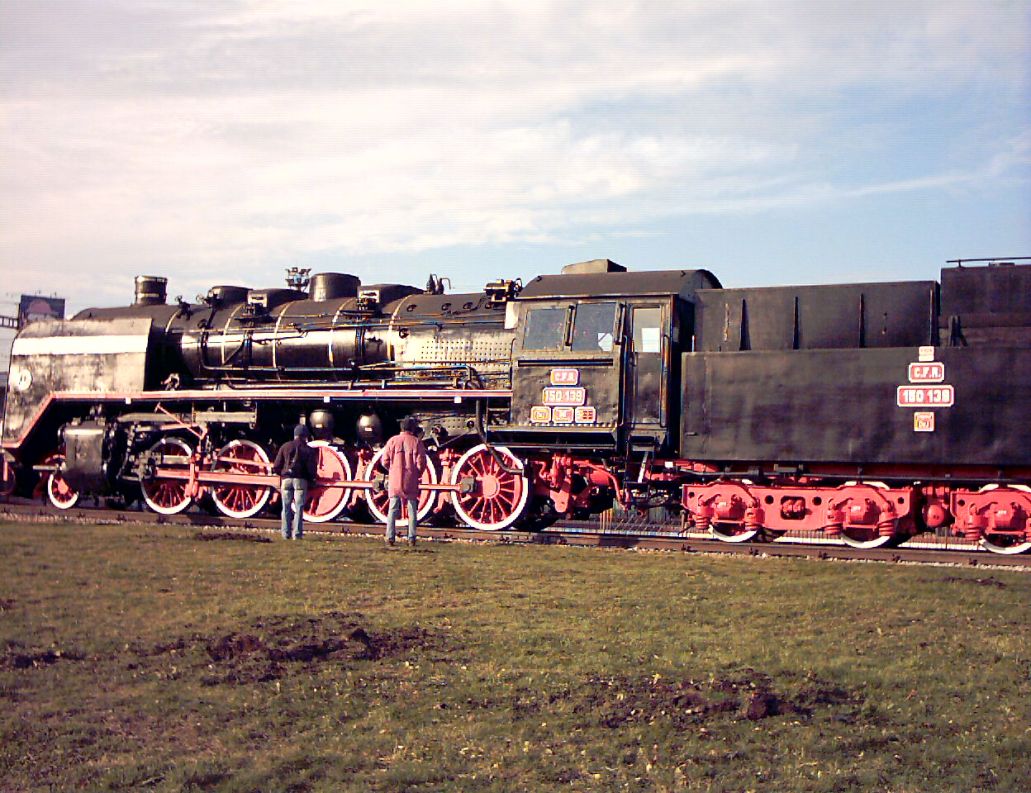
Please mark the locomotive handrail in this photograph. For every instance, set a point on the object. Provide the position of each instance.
(995, 259)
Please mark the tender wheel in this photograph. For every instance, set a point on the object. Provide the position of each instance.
(728, 510)
(731, 532)
(499, 495)
(59, 492)
(241, 501)
(378, 501)
(866, 535)
(865, 538)
(168, 496)
(1006, 544)
(326, 503)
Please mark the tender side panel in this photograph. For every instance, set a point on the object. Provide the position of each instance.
(817, 317)
(841, 406)
(84, 356)
(986, 306)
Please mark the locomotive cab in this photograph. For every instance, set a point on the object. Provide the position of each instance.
(594, 352)
(567, 369)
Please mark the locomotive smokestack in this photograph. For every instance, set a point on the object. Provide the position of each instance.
(151, 290)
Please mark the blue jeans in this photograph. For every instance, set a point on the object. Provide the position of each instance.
(294, 493)
(395, 509)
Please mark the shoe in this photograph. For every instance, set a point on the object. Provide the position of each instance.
(390, 543)
(411, 542)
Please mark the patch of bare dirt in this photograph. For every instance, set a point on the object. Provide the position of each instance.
(270, 647)
(618, 701)
(208, 536)
(17, 657)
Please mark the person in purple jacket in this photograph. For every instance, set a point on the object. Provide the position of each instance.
(404, 457)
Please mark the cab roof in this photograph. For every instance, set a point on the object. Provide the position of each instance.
(683, 283)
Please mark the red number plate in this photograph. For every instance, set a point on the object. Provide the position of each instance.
(565, 376)
(923, 396)
(564, 396)
(933, 372)
(562, 415)
(540, 414)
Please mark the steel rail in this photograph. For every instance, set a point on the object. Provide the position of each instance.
(33, 511)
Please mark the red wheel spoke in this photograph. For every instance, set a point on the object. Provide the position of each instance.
(168, 496)
(379, 501)
(241, 457)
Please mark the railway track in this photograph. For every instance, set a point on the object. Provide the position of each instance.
(922, 550)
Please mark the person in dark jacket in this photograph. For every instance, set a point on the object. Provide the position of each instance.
(404, 457)
(297, 466)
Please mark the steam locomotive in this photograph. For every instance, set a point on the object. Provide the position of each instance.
(863, 413)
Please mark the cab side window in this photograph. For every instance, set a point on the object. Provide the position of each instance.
(593, 327)
(545, 328)
(648, 329)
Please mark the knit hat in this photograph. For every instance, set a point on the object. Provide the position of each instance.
(300, 431)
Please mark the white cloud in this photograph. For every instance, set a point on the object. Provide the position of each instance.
(176, 138)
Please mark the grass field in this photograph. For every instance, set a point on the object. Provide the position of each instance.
(155, 659)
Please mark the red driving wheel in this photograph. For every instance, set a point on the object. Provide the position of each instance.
(500, 490)
(327, 500)
(378, 501)
(164, 495)
(238, 500)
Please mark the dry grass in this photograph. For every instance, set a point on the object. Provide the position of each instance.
(143, 659)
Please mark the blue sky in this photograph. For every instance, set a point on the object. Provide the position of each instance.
(771, 142)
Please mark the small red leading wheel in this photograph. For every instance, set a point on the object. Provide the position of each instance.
(238, 500)
(325, 499)
(7, 478)
(163, 495)
(500, 490)
(59, 492)
(378, 501)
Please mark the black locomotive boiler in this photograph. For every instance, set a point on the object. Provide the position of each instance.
(865, 413)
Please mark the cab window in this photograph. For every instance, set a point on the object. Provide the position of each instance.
(545, 328)
(593, 327)
(648, 329)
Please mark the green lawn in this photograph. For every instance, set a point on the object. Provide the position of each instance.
(145, 659)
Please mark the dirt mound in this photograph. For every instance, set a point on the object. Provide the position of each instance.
(16, 658)
(264, 651)
(207, 536)
(618, 701)
(268, 648)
